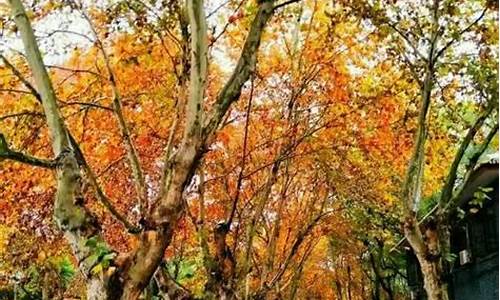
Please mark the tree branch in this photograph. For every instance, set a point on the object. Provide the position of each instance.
(475, 157)
(301, 236)
(197, 82)
(20, 76)
(408, 41)
(453, 40)
(414, 174)
(243, 158)
(20, 114)
(7, 153)
(278, 6)
(245, 66)
(74, 70)
(72, 217)
(453, 202)
(89, 104)
(14, 91)
(79, 155)
(447, 190)
(140, 184)
(107, 202)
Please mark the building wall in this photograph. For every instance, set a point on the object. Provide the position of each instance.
(478, 281)
(477, 232)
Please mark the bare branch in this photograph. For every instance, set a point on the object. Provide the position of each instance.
(408, 41)
(15, 91)
(64, 31)
(301, 236)
(100, 195)
(217, 8)
(73, 70)
(245, 66)
(90, 104)
(20, 76)
(20, 114)
(278, 6)
(453, 40)
(7, 153)
(226, 26)
(133, 157)
(243, 158)
(107, 202)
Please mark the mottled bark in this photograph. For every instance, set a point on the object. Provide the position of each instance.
(338, 289)
(166, 212)
(144, 261)
(427, 255)
(127, 278)
(182, 164)
(70, 214)
(244, 68)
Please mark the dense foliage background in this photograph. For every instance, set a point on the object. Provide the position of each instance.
(307, 168)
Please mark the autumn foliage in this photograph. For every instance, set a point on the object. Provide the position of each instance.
(295, 195)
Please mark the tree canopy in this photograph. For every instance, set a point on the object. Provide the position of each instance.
(238, 149)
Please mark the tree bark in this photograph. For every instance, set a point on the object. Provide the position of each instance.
(425, 248)
(127, 279)
(78, 225)
(428, 255)
(349, 292)
(180, 168)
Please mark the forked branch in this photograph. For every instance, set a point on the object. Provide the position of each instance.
(133, 157)
(91, 177)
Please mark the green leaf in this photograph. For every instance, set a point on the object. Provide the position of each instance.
(481, 196)
(450, 257)
(65, 269)
(92, 242)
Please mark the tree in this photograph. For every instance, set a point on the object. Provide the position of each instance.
(127, 279)
(427, 51)
(179, 176)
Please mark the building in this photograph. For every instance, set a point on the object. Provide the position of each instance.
(474, 242)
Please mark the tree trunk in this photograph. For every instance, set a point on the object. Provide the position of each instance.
(349, 283)
(144, 262)
(427, 253)
(434, 287)
(338, 289)
(77, 223)
(377, 280)
(127, 279)
(221, 266)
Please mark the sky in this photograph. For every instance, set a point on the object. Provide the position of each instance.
(59, 33)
